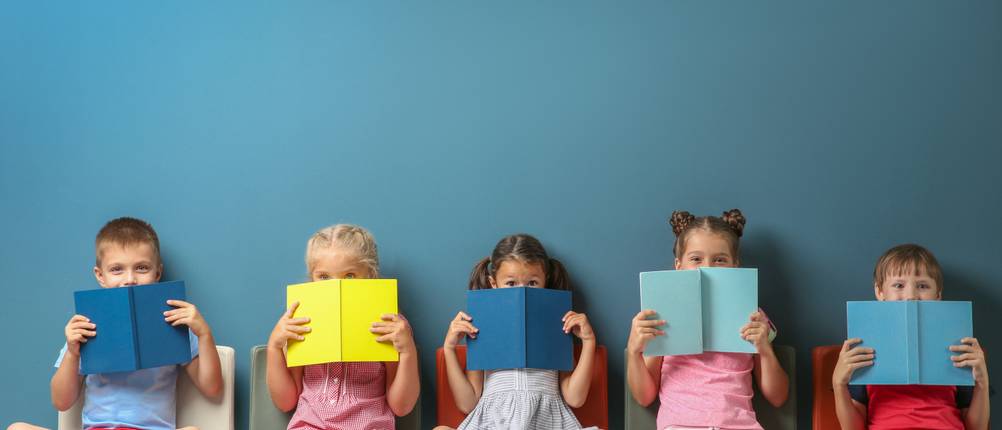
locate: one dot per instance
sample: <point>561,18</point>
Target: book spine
<point>135,329</point>
<point>912,342</point>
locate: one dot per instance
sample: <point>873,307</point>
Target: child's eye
<point>349,276</point>
<point>721,260</point>
<point>923,286</point>
<point>694,259</point>
<point>323,276</point>
<point>898,285</point>
<point>115,269</point>
<point>142,268</point>
<point>510,283</point>
<point>533,283</point>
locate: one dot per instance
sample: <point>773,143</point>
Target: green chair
<point>265,416</point>
<point>784,417</point>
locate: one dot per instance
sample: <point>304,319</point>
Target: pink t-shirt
<point>343,396</point>
<point>712,389</point>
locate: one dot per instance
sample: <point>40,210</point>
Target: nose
<point>130,278</point>
<point>911,294</point>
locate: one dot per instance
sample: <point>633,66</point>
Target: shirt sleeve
<point>964,396</point>
<point>59,360</point>
<point>858,393</point>
<point>194,344</point>
<point>772,327</point>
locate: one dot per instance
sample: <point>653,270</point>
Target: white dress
<point>523,399</point>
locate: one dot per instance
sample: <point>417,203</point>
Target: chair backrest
<point>637,417</point>
<point>193,409</point>
<point>823,359</point>
<point>265,416</point>
<point>594,412</point>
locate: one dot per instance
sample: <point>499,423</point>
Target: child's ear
<point>160,271</point>
<point>678,263</point>
<point>99,275</point>
<point>494,283</point>
<point>878,292</point>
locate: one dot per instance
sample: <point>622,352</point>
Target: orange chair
<point>595,411</point>
<point>823,359</point>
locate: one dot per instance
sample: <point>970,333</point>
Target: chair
<point>823,359</point>
<point>265,416</point>
<point>594,412</point>
<point>637,417</point>
<point>193,409</point>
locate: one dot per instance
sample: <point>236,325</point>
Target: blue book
<point>131,331</point>
<point>519,328</point>
<point>911,341</point>
<point>705,309</point>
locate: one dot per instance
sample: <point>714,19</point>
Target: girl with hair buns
<point>712,389</point>
<point>519,398</point>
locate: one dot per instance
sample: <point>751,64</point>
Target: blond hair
<point>126,231</point>
<point>907,259</point>
<point>351,238</point>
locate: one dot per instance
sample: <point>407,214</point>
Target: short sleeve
<point>964,396</point>
<point>858,393</point>
<point>59,360</point>
<point>194,344</point>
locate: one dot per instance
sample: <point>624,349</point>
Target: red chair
<point>823,359</point>
<point>594,412</point>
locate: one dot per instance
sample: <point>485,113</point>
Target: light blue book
<point>911,341</point>
<point>705,309</point>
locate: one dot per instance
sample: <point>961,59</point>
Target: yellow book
<point>341,311</point>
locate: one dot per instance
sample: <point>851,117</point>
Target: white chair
<point>193,409</point>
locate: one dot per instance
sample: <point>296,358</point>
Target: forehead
<point>706,241</point>
<point>898,269</point>
<point>122,253</point>
<point>334,259</point>
<point>519,267</point>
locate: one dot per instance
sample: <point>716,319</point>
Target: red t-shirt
<point>890,407</point>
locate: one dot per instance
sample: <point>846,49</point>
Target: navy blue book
<point>519,328</point>
<point>131,331</point>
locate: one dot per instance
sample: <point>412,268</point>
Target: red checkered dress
<point>348,396</point>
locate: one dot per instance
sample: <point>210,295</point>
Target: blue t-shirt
<point>142,399</point>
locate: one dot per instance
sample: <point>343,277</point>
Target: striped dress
<point>343,396</point>
<point>522,399</point>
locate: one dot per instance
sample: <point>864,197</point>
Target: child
<point>519,398</point>
<point>343,395</point>
<point>910,272</point>
<point>712,389</point>
<point>128,254</point>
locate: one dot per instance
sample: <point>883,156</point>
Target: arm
<point>466,386</point>
<point>203,370</point>
<point>66,382</point>
<point>574,386</point>
<point>643,375</point>
<point>851,414</point>
<point>285,384</point>
<point>403,384</point>
<point>769,375</point>
<point>970,355</point>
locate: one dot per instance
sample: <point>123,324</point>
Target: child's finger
<point>381,330</point>
<point>858,365</point>
<point>385,338</point>
<point>970,341</point>
<point>388,317</point>
<point>962,348</point>
<point>567,315</point>
<point>651,323</point>
<point>292,309</point>
<point>298,329</point>
<point>299,321</point>
<point>79,317</point>
<point>642,315</point>
<point>462,316</point>
<point>847,345</point>
<point>179,303</point>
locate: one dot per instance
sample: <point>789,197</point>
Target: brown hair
<point>523,248</point>
<point>730,225</point>
<point>907,258</point>
<point>126,231</point>
<point>352,238</point>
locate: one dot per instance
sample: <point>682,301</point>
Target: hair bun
<point>735,219</point>
<point>680,220</point>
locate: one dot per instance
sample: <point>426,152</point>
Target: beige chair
<point>193,409</point>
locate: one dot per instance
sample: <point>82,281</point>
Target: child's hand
<point>187,314</point>
<point>850,359</point>
<point>578,324</point>
<point>77,331</point>
<point>642,330</point>
<point>395,328</point>
<point>458,328</point>
<point>757,332</point>
<point>288,328</point>
<point>972,356</point>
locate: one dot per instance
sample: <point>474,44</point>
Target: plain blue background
<point>239,128</point>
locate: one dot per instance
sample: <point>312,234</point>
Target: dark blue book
<point>131,331</point>
<point>519,328</point>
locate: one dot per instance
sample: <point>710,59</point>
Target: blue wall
<point>239,128</point>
